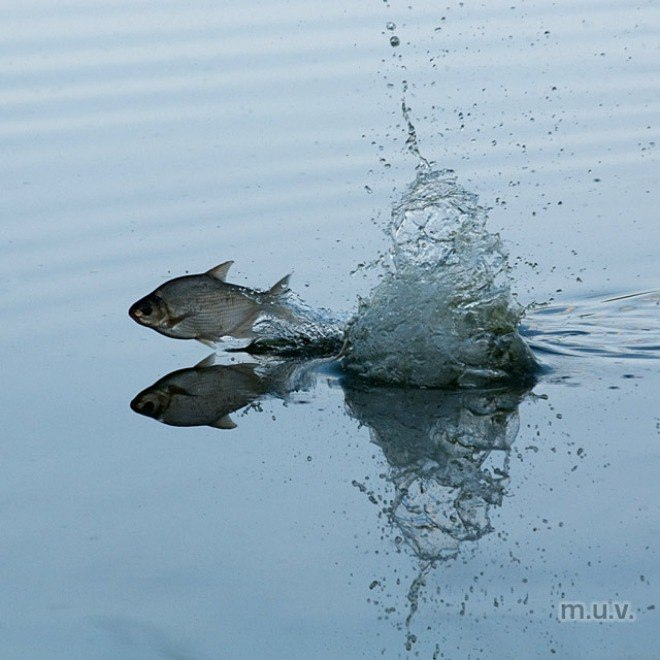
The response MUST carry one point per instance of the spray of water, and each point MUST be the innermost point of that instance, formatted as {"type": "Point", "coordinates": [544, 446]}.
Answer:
{"type": "Point", "coordinates": [443, 315]}
{"type": "Point", "coordinates": [298, 330]}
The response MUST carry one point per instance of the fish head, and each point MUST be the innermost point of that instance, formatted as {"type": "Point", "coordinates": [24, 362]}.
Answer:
{"type": "Point", "coordinates": [151, 402]}
{"type": "Point", "coordinates": [151, 311]}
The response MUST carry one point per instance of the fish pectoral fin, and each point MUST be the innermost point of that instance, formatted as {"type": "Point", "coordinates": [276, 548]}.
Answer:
{"type": "Point", "coordinates": [244, 329]}
{"type": "Point", "coordinates": [206, 342]}
{"type": "Point", "coordinates": [172, 323]}
{"type": "Point", "coordinates": [175, 389]}
{"type": "Point", "coordinates": [220, 272]}
{"type": "Point", "coordinates": [208, 361]}
{"type": "Point", "coordinates": [225, 422]}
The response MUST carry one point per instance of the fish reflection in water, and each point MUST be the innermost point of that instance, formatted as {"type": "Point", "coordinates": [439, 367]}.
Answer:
{"type": "Point", "coordinates": [206, 394]}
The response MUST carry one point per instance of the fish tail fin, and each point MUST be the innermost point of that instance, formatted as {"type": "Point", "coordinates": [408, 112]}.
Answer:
{"type": "Point", "coordinates": [280, 287]}
{"type": "Point", "coordinates": [277, 302]}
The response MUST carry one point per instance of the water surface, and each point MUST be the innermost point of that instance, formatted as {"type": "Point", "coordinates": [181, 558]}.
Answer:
{"type": "Point", "coordinates": [144, 140]}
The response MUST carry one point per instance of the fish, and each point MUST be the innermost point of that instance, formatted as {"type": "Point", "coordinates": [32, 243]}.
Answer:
{"type": "Point", "coordinates": [207, 308]}
{"type": "Point", "coordinates": [203, 395]}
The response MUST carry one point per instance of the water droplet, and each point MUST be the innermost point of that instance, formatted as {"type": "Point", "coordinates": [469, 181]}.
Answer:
{"type": "Point", "coordinates": [390, 26]}
{"type": "Point", "coordinates": [394, 41]}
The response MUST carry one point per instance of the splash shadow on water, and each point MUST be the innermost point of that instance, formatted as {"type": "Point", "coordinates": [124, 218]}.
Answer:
{"type": "Point", "coordinates": [448, 466]}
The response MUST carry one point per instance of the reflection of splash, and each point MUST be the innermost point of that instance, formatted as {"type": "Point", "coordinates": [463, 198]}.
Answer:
{"type": "Point", "coordinates": [437, 444]}
{"type": "Point", "coordinates": [621, 326]}
{"type": "Point", "coordinates": [448, 464]}
{"type": "Point", "coordinates": [206, 394]}
{"type": "Point", "coordinates": [443, 313]}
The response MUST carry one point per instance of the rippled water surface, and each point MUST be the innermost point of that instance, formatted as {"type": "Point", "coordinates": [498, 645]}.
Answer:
{"type": "Point", "coordinates": [249, 506]}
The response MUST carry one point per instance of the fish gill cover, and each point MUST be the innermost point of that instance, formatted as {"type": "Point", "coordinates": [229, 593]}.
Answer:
{"type": "Point", "coordinates": [443, 314]}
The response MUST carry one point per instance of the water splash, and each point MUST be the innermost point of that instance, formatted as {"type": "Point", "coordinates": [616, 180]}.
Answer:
{"type": "Point", "coordinates": [412, 144]}
{"type": "Point", "coordinates": [303, 331]}
{"type": "Point", "coordinates": [443, 314]}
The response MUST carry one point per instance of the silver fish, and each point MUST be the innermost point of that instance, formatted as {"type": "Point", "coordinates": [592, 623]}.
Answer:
{"type": "Point", "coordinates": [206, 307]}
{"type": "Point", "coordinates": [203, 395]}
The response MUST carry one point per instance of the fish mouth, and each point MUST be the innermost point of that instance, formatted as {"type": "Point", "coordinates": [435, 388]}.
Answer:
{"type": "Point", "coordinates": [144, 404]}
{"type": "Point", "coordinates": [135, 312]}
{"type": "Point", "coordinates": [147, 310]}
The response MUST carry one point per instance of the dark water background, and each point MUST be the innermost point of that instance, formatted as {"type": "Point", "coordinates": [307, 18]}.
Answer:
{"type": "Point", "coordinates": [142, 140]}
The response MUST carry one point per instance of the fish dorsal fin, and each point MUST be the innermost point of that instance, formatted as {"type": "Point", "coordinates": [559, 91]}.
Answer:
{"type": "Point", "coordinates": [280, 287]}
{"type": "Point", "coordinates": [208, 361]}
{"type": "Point", "coordinates": [225, 422]}
{"type": "Point", "coordinates": [220, 271]}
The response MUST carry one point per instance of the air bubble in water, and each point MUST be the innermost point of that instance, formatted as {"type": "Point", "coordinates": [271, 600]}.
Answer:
{"type": "Point", "coordinates": [390, 26]}
{"type": "Point", "coordinates": [394, 41]}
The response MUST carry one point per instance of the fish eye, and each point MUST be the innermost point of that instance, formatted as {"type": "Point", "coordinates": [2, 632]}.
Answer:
{"type": "Point", "coordinates": [148, 407]}
{"type": "Point", "coordinates": [146, 309]}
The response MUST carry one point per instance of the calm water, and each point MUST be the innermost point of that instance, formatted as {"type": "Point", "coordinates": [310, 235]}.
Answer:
{"type": "Point", "coordinates": [142, 140]}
